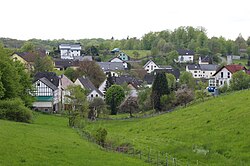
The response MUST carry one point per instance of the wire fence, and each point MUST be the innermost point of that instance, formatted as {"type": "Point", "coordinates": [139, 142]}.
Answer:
{"type": "Point", "coordinates": [151, 156]}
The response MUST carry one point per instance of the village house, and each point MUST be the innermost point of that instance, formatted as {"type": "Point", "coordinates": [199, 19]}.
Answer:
{"type": "Point", "coordinates": [185, 56]}
{"type": "Point", "coordinates": [50, 91]}
{"type": "Point", "coordinates": [28, 58]}
{"type": "Point", "coordinates": [151, 66]}
{"type": "Point", "coordinates": [46, 92]}
{"type": "Point", "coordinates": [115, 68]}
{"type": "Point", "coordinates": [123, 56]}
{"type": "Point", "coordinates": [70, 51]}
{"type": "Point", "coordinates": [202, 70]}
{"type": "Point", "coordinates": [117, 59]}
{"type": "Point", "coordinates": [224, 74]}
{"type": "Point", "coordinates": [86, 84]}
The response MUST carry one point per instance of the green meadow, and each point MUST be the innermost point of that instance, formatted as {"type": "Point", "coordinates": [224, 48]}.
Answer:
{"type": "Point", "coordinates": [214, 132]}
{"type": "Point", "coordinates": [49, 141]}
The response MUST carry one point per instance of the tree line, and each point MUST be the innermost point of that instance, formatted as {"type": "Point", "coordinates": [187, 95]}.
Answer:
{"type": "Point", "coordinates": [162, 42]}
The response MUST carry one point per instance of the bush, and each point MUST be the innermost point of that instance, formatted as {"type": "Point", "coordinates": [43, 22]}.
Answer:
{"type": "Point", "coordinates": [101, 135]}
{"type": "Point", "coordinates": [15, 110]}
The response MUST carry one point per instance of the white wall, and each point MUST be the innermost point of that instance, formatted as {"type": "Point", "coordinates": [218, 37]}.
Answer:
{"type": "Point", "coordinates": [185, 58]}
{"type": "Point", "coordinates": [221, 81]}
{"type": "Point", "coordinates": [151, 66]}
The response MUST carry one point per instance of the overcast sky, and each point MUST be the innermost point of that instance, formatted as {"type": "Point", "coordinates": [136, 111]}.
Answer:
{"type": "Point", "coordinates": [79, 19]}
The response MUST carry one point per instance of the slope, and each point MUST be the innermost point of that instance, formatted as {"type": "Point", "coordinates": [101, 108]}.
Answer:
{"type": "Point", "coordinates": [50, 142]}
{"type": "Point", "coordinates": [215, 132]}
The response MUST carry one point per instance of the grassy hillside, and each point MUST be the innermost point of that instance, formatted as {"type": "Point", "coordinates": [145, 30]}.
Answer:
{"type": "Point", "coordinates": [50, 142]}
{"type": "Point", "coordinates": [142, 53]}
{"type": "Point", "coordinates": [215, 132]}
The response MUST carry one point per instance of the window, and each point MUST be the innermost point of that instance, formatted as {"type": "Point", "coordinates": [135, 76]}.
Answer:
{"type": "Point", "coordinates": [92, 95]}
{"type": "Point", "coordinates": [195, 75]}
{"type": "Point", "coordinates": [203, 71]}
{"type": "Point", "coordinates": [228, 74]}
{"type": "Point", "coordinates": [221, 74]}
{"type": "Point", "coordinates": [195, 71]}
{"type": "Point", "coordinates": [96, 95]}
{"type": "Point", "coordinates": [221, 82]}
{"type": "Point", "coordinates": [38, 84]}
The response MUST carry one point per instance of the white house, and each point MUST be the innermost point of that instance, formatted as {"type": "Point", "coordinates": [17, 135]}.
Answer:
{"type": "Point", "coordinates": [117, 59]}
{"type": "Point", "coordinates": [185, 56]}
{"type": "Point", "coordinates": [150, 66]}
{"type": "Point", "coordinates": [202, 70]}
{"type": "Point", "coordinates": [46, 94]}
{"type": "Point", "coordinates": [224, 74]}
{"type": "Point", "coordinates": [93, 92]}
{"type": "Point", "coordinates": [68, 51]}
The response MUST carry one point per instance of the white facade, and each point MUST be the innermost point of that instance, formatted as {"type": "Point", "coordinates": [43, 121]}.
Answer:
{"type": "Point", "coordinates": [221, 78]}
{"type": "Point", "coordinates": [199, 73]}
{"type": "Point", "coordinates": [93, 95]}
{"type": "Point", "coordinates": [185, 58]}
{"type": "Point", "coordinates": [150, 66]}
{"type": "Point", "coordinates": [70, 51]}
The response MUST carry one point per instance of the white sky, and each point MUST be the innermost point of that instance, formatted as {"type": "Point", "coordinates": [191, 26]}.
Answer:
{"type": "Point", "coordinates": [79, 19]}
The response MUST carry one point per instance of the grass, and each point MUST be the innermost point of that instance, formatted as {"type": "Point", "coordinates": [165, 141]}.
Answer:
{"type": "Point", "coordinates": [49, 141]}
{"type": "Point", "coordinates": [240, 61]}
{"type": "Point", "coordinates": [142, 53]}
{"type": "Point", "coordinates": [214, 132]}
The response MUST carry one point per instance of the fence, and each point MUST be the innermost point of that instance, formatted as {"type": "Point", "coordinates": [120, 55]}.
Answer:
{"type": "Point", "coordinates": [151, 156]}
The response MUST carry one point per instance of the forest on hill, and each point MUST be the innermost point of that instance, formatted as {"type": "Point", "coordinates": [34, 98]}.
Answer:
{"type": "Point", "coordinates": [159, 43]}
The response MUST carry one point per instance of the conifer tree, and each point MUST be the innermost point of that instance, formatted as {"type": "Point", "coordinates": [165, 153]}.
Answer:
{"type": "Point", "coordinates": [159, 88]}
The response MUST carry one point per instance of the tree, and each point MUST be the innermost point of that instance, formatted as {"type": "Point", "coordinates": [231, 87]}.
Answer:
{"type": "Point", "coordinates": [171, 81]}
{"type": "Point", "coordinates": [159, 88]}
{"type": "Point", "coordinates": [28, 47]}
{"type": "Point", "coordinates": [184, 95]}
{"type": "Point", "coordinates": [2, 90]}
{"type": "Point", "coordinates": [240, 80]}
{"type": "Point", "coordinates": [144, 99]}
{"type": "Point", "coordinates": [43, 64]}
{"type": "Point", "coordinates": [79, 104]}
{"type": "Point", "coordinates": [71, 73]}
{"type": "Point", "coordinates": [171, 57]}
{"type": "Point", "coordinates": [98, 105]}
{"type": "Point", "coordinates": [114, 96]}
{"type": "Point", "coordinates": [93, 71]}
{"type": "Point", "coordinates": [186, 78]}
{"type": "Point", "coordinates": [201, 94]}
{"type": "Point", "coordinates": [168, 101]}
{"type": "Point", "coordinates": [130, 105]}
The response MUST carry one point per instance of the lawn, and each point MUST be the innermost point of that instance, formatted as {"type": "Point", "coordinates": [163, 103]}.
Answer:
{"type": "Point", "coordinates": [215, 132]}
{"type": "Point", "coordinates": [49, 141]}
{"type": "Point", "coordinates": [142, 53]}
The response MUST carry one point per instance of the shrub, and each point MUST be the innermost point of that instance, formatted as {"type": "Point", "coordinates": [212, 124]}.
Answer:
{"type": "Point", "coordinates": [14, 109]}
{"type": "Point", "coordinates": [101, 135]}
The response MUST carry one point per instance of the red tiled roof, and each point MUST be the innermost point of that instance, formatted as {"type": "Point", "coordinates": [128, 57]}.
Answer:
{"type": "Point", "coordinates": [232, 68]}
{"type": "Point", "coordinates": [235, 68]}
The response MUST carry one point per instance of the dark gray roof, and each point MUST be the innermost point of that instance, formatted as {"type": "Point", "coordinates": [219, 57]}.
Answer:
{"type": "Point", "coordinates": [193, 67]}
{"type": "Point", "coordinates": [88, 85]}
{"type": "Point", "coordinates": [111, 66]}
{"type": "Point", "coordinates": [208, 67]}
{"type": "Point", "coordinates": [175, 72]}
{"type": "Point", "coordinates": [185, 52]}
{"type": "Point", "coordinates": [149, 78]}
{"type": "Point", "coordinates": [64, 63]}
{"type": "Point", "coordinates": [48, 83]}
{"type": "Point", "coordinates": [203, 67]}
{"type": "Point", "coordinates": [127, 79]}
{"type": "Point", "coordinates": [51, 76]}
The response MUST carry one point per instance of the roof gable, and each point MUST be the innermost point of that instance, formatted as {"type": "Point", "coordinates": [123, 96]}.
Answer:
{"type": "Point", "coordinates": [88, 85]}
{"type": "Point", "coordinates": [231, 68]}
{"type": "Point", "coordinates": [150, 61]}
{"type": "Point", "coordinates": [51, 76]}
{"type": "Point", "coordinates": [185, 52]}
{"type": "Point", "coordinates": [48, 83]}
